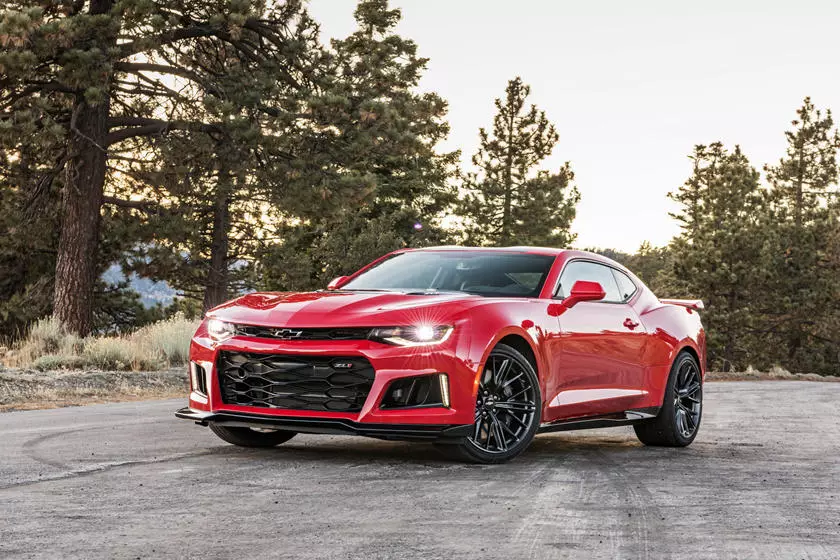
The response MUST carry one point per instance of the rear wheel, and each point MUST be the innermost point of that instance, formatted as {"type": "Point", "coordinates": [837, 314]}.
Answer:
{"type": "Point", "coordinates": [251, 437]}
{"type": "Point", "coordinates": [507, 411]}
{"type": "Point", "coordinates": [678, 420]}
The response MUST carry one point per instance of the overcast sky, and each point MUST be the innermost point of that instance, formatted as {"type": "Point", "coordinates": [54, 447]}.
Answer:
{"type": "Point", "coordinates": [631, 86]}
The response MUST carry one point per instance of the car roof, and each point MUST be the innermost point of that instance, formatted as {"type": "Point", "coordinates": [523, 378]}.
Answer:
{"type": "Point", "coordinates": [518, 249]}
{"type": "Point", "coordinates": [551, 251]}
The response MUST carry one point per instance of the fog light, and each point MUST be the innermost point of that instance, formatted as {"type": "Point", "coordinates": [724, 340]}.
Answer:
{"type": "Point", "coordinates": [419, 391]}
{"type": "Point", "coordinates": [444, 389]}
{"type": "Point", "coordinates": [198, 378]}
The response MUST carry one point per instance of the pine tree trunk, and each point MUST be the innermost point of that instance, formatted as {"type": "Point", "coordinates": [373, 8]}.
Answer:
{"type": "Point", "coordinates": [506, 217]}
{"type": "Point", "coordinates": [75, 271]}
{"type": "Point", "coordinates": [216, 288]}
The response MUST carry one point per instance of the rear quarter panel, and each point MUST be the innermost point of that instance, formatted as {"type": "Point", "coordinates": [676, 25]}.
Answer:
{"type": "Point", "coordinates": [671, 330]}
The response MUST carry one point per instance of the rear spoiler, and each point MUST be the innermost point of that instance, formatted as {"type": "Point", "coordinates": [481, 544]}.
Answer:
{"type": "Point", "coordinates": [695, 304]}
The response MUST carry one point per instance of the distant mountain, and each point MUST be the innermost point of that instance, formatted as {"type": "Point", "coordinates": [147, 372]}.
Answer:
{"type": "Point", "coordinates": [151, 293]}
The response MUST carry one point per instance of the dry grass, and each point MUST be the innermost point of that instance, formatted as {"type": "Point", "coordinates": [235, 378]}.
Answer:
{"type": "Point", "coordinates": [48, 346]}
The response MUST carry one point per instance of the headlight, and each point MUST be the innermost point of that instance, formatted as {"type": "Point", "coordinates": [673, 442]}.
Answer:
{"type": "Point", "coordinates": [420, 335]}
{"type": "Point", "coordinates": [220, 330]}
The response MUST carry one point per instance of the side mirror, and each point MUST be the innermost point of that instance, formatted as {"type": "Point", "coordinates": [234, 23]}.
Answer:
{"type": "Point", "coordinates": [584, 290]}
{"type": "Point", "coordinates": [581, 291]}
{"type": "Point", "coordinates": [336, 283]}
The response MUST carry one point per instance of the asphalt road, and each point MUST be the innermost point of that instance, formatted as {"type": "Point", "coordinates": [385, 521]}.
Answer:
{"type": "Point", "coordinates": [130, 481]}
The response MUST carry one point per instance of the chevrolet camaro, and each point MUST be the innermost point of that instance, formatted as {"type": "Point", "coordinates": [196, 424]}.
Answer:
{"type": "Point", "coordinates": [474, 349]}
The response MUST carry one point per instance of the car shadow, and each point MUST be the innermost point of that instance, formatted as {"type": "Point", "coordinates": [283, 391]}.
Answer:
{"type": "Point", "coordinates": [353, 451]}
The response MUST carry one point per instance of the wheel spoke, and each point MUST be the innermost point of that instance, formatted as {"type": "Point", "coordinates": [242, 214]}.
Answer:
{"type": "Point", "coordinates": [478, 426]}
{"type": "Point", "coordinates": [516, 405]}
{"type": "Point", "coordinates": [501, 445]}
{"type": "Point", "coordinates": [693, 388]}
{"type": "Point", "coordinates": [506, 428]}
{"type": "Point", "coordinates": [512, 380]}
{"type": "Point", "coordinates": [520, 392]}
{"type": "Point", "coordinates": [515, 417]}
{"type": "Point", "coordinates": [501, 373]}
{"type": "Point", "coordinates": [689, 421]}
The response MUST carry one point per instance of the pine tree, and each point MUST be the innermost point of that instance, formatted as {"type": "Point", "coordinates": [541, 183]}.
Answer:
{"type": "Point", "coordinates": [509, 201]}
{"type": "Point", "coordinates": [716, 258]}
{"type": "Point", "coordinates": [87, 81]}
{"type": "Point", "coordinates": [376, 181]}
{"type": "Point", "coordinates": [804, 284]}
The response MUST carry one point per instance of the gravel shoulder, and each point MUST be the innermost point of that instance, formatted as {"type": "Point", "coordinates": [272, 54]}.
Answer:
{"type": "Point", "coordinates": [30, 389]}
{"type": "Point", "coordinates": [129, 480]}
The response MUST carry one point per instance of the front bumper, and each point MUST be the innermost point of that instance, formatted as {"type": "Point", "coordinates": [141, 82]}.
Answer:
{"type": "Point", "coordinates": [427, 432]}
{"type": "Point", "coordinates": [389, 364]}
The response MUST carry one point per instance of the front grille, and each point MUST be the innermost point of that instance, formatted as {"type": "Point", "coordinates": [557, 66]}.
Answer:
{"type": "Point", "coordinates": [334, 383]}
{"type": "Point", "coordinates": [303, 334]}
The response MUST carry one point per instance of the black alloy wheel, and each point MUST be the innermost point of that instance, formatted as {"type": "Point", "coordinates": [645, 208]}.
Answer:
{"type": "Point", "coordinates": [687, 399]}
{"type": "Point", "coordinates": [507, 409]}
{"type": "Point", "coordinates": [678, 420]}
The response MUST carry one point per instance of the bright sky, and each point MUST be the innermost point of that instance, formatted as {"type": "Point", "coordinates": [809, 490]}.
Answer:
{"type": "Point", "coordinates": [631, 86]}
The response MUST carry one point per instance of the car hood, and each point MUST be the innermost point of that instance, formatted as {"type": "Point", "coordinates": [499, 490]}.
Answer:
{"type": "Point", "coordinates": [341, 308]}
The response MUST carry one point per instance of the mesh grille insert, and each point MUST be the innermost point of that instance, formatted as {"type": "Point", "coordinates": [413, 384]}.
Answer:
{"type": "Point", "coordinates": [351, 333]}
{"type": "Point", "coordinates": [334, 383]}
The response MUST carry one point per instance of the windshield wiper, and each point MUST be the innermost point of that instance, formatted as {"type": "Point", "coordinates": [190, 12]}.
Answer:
{"type": "Point", "coordinates": [431, 292]}
{"type": "Point", "coordinates": [367, 290]}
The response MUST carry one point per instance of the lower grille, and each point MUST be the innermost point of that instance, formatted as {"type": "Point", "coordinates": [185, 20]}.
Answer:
{"type": "Point", "coordinates": [331, 383]}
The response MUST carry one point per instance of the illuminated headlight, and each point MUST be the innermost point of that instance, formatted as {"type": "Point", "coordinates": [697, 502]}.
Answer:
{"type": "Point", "coordinates": [220, 330]}
{"type": "Point", "coordinates": [420, 335]}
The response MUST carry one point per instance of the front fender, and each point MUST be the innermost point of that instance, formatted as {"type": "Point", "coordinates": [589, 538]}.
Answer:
{"type": "Point", "coordinates": [491, 324]}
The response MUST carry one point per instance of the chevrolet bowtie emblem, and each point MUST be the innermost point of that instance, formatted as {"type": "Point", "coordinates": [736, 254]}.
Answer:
{"type": "Point", "coordinates": [287, 333]}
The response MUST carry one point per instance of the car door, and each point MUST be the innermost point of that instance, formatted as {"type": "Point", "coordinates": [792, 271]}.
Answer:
{"type": "Point", "coordinates": [599, 368]}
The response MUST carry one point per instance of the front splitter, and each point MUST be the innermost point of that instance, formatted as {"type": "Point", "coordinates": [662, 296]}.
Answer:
{"type": "Point", "coordinates": [428, 432]}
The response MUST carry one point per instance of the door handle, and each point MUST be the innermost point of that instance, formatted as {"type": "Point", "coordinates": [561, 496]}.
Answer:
{"type": "Point", "coordinates": [630, 324]}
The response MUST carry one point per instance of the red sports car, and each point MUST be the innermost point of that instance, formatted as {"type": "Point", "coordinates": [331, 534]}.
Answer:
{"type": "Point", "coordinates": [475, 349]}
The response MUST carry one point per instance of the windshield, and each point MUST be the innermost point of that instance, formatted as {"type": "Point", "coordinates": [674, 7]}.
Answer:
{"type": "Point", "coordinates": [474, 272]}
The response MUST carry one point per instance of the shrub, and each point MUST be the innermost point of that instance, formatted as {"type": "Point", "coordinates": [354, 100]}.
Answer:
{"type": "Point", "coordinates": [115, 353]}
{"type": "Point", "coordinates": [167, 340]}
{"type": "Point", "coordinates": [58, 361]}
{"type": "Point", "coordinates": [47, 337]}
{"type": "Point", "coordinates": [159, 345]}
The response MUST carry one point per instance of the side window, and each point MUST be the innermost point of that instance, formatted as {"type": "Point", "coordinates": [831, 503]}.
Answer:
{"type": "Point", "coordinates": [591, 272]}
{"type": "Point", "coordinates": [626, 287]}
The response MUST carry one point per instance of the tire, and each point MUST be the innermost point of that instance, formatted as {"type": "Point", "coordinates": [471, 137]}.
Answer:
{"type": "Point", "coordinates": [678, 420]}
{"type": "Point", "coordinates": [508, 410]}
{"type": "Point", "coordinates": [246, 437]}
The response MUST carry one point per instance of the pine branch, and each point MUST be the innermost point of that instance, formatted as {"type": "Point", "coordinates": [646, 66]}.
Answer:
{"type": "Point", "coordinates": [138, 46]}
{"type": "Point", "coordinates": [138, 67]}
{"type": "Point", "coordinates": [139, 126]}
{"type": "Point", "coordinates": [145, 206]}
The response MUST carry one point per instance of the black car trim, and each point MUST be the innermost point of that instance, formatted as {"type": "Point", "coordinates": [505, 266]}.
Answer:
{"type": "Point", "coordinates": [628, 417]}
{"type": "Point", "coordinates": [328, 425]}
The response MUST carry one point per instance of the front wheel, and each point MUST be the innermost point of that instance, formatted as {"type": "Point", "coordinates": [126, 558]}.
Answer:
{"type": "Point", "coordinates": [507, 410]}
{"type": "Point", "coordinates": [251, 437]}
{"type": "Point", "coordinates": [678, 420]}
